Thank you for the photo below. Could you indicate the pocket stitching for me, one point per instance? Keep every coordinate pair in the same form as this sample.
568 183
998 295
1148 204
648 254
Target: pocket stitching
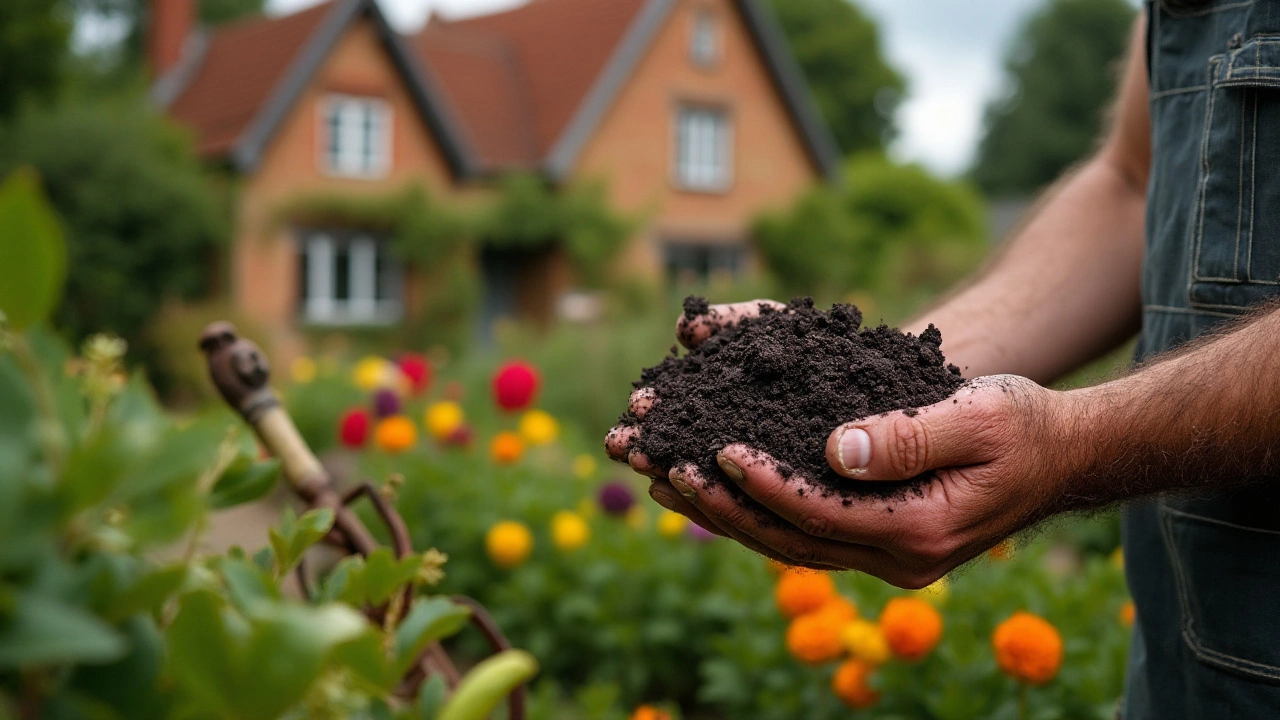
1204 11
1205 654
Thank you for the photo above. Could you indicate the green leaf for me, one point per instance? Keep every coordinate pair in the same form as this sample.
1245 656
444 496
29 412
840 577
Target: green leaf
33 253
384 574
366 658
203 655
43 631
287 652
487 683
431 697
130 685
243 483
148 593
248 585
345 582
295 535
429 619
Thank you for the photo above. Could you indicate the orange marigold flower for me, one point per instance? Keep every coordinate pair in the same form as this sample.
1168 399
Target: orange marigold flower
850 684
1028 648
911 626
1128 613
815 638
506 448
840 607
649 712
395 434
1002 551
803 591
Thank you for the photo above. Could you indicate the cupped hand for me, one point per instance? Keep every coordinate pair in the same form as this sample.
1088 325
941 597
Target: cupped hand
619 443
990 461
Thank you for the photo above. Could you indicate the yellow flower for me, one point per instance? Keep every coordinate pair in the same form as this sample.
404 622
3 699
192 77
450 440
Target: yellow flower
584 466
671 524
1117 558
637 518
395 434
911 626
442 418
303 370
373 372
506 448
864 640
537 427
1028 648
937 593
508 543
569 530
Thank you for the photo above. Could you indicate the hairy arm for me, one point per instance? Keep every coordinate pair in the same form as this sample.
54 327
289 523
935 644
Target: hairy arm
1065 288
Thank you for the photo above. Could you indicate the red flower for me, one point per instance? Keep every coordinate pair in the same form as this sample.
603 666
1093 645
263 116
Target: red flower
417 369
353 429
515 385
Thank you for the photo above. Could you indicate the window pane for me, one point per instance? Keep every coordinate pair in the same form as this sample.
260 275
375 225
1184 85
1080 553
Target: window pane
341 274
318 250
363 269
367 139
333 128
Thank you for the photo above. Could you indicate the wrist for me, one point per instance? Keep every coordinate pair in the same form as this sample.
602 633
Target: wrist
1086 430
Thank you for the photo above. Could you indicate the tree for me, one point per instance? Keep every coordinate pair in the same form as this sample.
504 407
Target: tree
838 47
141 221
892 230
1062 73
33 43
133 13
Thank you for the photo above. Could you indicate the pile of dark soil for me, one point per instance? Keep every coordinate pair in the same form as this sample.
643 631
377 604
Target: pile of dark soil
781 382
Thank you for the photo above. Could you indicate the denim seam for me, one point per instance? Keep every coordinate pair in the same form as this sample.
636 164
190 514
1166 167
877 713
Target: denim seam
1188 311
1206 11
1235 257
1178 91
1207 655
1214 62
1253 190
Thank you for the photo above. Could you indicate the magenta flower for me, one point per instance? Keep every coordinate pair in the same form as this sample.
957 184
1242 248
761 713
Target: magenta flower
616 498
386 403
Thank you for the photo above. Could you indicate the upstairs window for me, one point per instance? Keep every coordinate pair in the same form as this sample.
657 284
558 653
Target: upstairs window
704 40
349 279
703 146
355 136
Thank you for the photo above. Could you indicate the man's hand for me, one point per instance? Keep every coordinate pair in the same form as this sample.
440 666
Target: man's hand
994 455
691 333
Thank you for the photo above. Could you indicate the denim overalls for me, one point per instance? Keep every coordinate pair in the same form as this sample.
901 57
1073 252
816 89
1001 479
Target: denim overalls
1205 570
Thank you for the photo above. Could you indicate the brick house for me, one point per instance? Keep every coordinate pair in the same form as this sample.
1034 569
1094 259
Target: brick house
691 111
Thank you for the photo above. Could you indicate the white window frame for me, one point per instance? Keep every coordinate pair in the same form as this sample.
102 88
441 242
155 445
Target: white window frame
702 158
705 43
361 154
321 305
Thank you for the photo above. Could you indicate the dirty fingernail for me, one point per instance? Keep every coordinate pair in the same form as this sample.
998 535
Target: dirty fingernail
682 487
729 467
855 449
662 499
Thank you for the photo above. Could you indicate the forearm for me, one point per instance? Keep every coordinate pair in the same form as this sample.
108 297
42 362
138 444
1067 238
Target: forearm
1064 291
1204 417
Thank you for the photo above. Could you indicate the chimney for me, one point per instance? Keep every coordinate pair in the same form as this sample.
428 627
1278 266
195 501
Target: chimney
171 22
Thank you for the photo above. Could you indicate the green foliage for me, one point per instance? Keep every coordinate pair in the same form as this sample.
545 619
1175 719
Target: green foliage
133 16
890 231
838 48
1061 70
100 491
33 254
33 42
527 212
140 220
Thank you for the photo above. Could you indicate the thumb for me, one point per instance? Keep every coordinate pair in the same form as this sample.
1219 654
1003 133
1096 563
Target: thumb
903 444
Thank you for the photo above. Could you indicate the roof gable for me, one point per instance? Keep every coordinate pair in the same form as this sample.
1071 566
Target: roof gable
245 77
563 63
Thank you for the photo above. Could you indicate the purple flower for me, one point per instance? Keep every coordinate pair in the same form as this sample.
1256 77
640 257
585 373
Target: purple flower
616 498
386 403
699 533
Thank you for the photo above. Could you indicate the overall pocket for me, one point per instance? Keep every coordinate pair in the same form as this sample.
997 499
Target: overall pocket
1228 585
1235 253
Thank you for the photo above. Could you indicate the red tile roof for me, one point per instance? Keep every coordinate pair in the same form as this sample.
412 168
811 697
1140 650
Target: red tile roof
516 78
241 67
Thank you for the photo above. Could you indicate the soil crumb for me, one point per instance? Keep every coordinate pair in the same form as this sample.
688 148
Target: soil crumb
781 382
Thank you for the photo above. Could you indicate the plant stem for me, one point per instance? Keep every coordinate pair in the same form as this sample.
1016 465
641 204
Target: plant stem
49 427
1022 701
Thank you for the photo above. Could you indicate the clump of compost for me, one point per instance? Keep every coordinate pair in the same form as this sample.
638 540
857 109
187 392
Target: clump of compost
781 382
